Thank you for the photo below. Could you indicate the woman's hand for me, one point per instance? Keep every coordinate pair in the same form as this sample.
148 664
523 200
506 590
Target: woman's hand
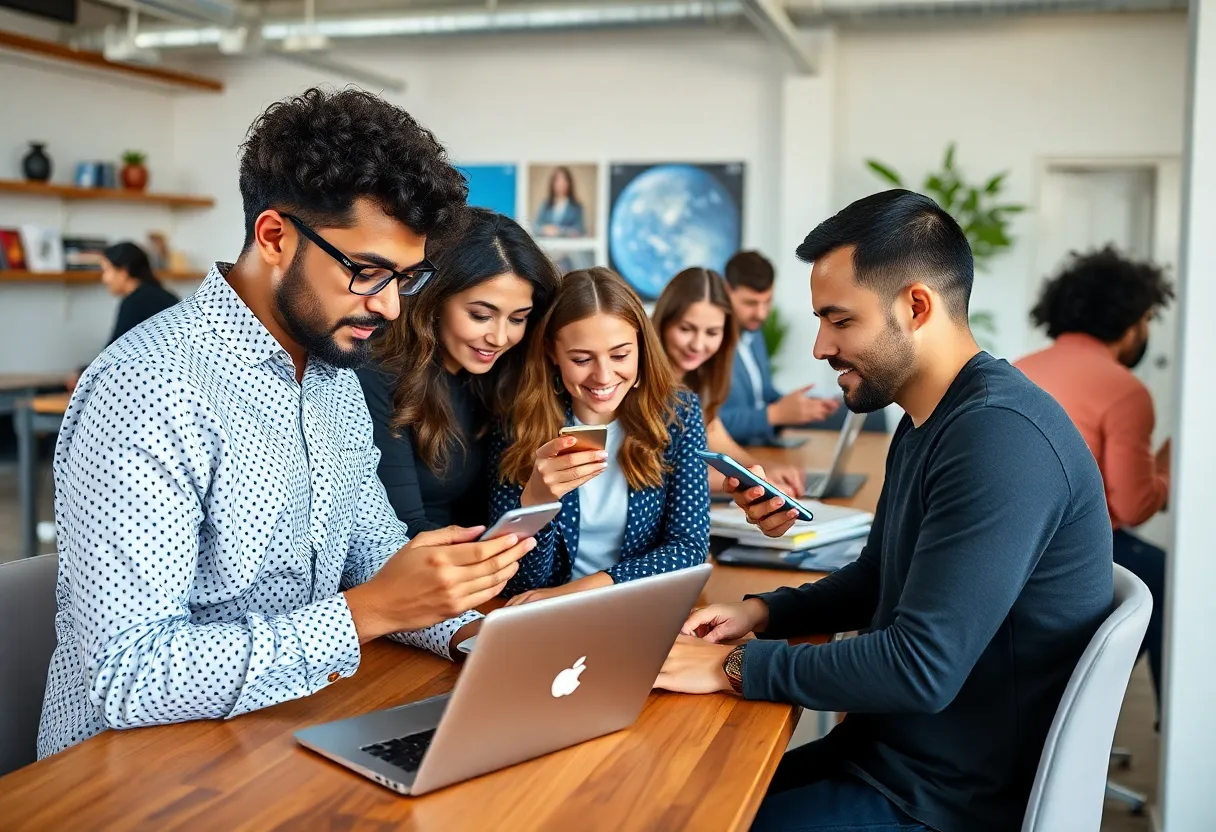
590 582
556 472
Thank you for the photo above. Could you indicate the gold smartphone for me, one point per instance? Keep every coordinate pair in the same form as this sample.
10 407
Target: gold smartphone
588 437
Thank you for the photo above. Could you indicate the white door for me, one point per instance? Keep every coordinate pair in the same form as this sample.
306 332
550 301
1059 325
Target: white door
1137 208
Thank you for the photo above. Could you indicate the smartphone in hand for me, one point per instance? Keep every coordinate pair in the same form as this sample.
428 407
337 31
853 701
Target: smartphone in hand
731 469
524 522
587 437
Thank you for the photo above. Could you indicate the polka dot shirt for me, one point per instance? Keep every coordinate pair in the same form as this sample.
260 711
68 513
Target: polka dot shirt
666 527
210 511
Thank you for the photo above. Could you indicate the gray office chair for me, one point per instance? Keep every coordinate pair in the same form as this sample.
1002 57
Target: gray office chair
27 640
1071 780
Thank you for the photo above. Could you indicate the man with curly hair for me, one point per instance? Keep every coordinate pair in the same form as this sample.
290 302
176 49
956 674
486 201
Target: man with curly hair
225 542
1098 310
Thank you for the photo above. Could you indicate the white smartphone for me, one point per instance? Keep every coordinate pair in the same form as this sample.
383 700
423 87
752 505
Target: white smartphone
524 522
587 437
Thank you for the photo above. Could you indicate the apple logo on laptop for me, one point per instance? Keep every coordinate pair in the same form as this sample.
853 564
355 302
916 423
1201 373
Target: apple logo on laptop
566 682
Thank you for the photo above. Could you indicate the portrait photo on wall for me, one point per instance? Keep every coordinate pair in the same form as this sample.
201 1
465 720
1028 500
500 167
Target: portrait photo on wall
667 217
563 199
491 186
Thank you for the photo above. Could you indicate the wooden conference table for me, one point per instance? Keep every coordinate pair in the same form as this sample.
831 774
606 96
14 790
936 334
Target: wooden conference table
689 762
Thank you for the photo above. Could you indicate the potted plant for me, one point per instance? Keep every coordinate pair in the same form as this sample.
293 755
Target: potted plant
977 207
134 174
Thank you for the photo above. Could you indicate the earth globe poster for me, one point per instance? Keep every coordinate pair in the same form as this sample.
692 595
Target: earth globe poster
667 217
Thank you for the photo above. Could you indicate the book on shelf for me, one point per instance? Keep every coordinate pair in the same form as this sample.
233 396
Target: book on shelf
12 253
43 248
83 253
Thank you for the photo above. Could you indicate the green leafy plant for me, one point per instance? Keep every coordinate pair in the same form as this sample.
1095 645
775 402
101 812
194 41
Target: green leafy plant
977 208
134 157
774 331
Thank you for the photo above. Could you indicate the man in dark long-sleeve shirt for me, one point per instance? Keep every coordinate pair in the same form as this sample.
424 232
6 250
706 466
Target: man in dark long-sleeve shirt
987 569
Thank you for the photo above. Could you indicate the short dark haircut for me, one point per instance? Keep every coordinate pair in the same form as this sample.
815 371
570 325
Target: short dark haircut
130 257
900 238
751 270
314 154
1100 293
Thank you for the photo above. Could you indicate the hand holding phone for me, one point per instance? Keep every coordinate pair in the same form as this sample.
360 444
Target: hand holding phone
559 469
731 469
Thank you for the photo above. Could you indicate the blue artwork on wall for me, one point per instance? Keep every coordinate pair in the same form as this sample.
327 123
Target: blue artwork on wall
491 186
669 217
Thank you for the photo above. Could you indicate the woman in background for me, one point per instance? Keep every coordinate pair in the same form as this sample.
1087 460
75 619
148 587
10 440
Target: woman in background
127 274
561 214
641 506
695 321
447 368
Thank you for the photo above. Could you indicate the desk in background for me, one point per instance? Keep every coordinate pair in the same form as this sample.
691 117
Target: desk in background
689 762
40 414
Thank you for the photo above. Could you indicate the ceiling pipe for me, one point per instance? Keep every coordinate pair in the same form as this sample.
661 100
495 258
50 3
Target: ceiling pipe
775 24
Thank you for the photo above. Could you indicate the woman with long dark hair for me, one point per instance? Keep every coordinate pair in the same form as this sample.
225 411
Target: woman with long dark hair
127 274
449 366
561 214
639 507
697 326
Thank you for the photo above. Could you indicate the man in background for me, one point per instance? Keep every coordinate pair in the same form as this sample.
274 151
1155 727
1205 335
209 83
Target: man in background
1098 311
755 410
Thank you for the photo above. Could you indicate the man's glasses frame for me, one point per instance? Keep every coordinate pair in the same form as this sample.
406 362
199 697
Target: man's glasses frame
370 280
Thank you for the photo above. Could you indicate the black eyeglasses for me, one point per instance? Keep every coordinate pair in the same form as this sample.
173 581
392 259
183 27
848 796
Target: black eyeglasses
370 280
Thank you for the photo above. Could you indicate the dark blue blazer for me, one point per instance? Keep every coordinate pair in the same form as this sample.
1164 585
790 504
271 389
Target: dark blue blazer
746 420
666 528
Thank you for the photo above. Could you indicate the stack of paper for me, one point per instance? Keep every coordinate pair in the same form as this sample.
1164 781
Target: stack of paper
831 523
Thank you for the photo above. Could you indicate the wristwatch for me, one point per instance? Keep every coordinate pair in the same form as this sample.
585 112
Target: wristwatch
733 667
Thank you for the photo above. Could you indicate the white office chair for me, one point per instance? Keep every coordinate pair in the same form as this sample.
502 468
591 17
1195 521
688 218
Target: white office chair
27 640
1071 780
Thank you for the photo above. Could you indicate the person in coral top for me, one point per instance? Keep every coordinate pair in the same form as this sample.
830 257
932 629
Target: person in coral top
1097 310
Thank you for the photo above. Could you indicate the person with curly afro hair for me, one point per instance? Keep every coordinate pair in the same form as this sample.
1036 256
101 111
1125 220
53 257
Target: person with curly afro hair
225 541
1098 310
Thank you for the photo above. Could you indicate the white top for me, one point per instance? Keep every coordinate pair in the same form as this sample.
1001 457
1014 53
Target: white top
753 368
603 507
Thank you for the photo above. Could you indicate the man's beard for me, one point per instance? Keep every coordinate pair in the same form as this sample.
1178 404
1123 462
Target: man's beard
882 370
1133 360
301 315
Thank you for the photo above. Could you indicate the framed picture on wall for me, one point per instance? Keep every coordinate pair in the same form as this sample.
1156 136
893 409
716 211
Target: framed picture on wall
571 258
666 217
563 200
491 186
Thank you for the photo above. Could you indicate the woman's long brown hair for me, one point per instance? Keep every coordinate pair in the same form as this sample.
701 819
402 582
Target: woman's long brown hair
491 245
710 381
539 411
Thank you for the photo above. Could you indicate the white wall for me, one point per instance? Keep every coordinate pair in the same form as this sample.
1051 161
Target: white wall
1012 94
591 97
80 115
1188 801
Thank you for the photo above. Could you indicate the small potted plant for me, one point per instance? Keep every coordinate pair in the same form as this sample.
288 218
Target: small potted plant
134 174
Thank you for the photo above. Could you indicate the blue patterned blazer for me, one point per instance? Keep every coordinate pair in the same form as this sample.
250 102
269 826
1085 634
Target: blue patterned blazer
667 526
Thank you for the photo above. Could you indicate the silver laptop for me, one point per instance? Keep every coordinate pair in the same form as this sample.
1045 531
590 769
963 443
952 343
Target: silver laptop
544 676
834 482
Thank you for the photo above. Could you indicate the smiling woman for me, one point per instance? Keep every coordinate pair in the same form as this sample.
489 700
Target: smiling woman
448 368
640 506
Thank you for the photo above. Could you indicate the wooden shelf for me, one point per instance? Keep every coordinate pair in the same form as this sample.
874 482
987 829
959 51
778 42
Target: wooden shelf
71 192
13 42
83 276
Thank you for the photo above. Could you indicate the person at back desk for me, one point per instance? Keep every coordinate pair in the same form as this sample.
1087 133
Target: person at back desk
449 367
985 575
1098 311
126 273
754 410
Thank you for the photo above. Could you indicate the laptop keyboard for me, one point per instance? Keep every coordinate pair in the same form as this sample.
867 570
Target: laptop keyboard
815 483
404 752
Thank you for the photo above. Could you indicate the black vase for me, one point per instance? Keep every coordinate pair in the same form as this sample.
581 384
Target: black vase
36 165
